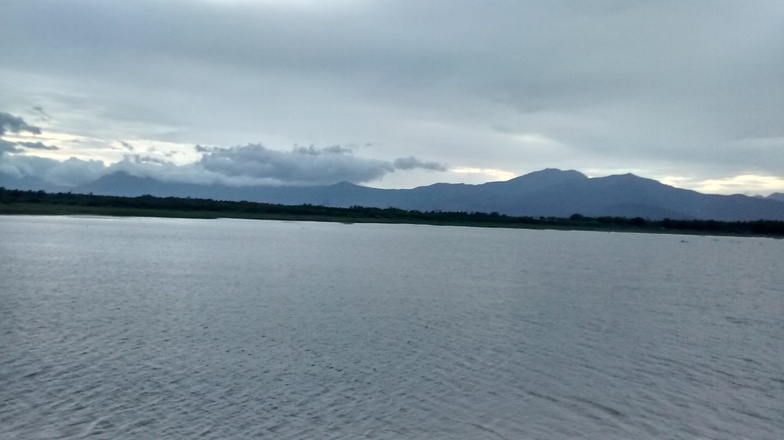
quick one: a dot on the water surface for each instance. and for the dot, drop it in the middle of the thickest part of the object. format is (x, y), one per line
(172, 328)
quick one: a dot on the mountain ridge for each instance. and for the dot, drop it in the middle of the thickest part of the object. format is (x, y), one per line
(546, 193)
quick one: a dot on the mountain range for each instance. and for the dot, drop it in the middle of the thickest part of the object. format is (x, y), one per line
(546, 193)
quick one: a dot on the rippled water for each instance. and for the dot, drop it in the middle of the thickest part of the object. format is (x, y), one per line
(163, 328)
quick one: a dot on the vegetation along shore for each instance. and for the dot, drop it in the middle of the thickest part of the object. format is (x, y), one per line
(43, 203)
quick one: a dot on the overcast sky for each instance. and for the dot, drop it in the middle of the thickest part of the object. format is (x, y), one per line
(394, 93)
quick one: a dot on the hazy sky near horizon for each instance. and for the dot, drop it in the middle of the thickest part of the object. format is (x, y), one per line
(394, 93)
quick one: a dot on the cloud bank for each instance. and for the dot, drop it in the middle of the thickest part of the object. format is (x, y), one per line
(299, 166)
(251, 164)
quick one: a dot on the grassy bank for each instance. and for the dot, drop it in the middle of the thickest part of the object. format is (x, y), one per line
(42, 203)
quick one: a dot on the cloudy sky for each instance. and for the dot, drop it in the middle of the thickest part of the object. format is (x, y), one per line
(394, 93)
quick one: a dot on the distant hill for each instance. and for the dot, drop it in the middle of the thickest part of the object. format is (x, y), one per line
(546, 193)
(777, 196)
(29, 183)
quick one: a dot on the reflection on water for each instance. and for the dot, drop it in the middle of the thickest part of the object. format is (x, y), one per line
(162, 328)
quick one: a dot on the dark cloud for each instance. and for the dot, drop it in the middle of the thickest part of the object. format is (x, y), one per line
(19, 147)
(411, 162)
(302, 165)
(14, 124)
(299, 166)
(36, 146)
(255, 164)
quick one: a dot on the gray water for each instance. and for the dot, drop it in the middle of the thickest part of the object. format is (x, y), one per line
(166, 328)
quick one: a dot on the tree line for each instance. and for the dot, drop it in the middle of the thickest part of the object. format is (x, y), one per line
(40, 202)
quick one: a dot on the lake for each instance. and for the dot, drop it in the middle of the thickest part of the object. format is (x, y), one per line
(123, 328)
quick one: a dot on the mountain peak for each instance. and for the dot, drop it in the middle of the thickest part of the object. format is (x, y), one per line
(549, 176)
(625, 176)
(557, 172)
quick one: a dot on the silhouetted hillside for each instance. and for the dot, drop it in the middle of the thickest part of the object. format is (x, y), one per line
(777, 196)
(546, 193)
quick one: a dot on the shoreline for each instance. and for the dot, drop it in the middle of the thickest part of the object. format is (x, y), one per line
(18, 202)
